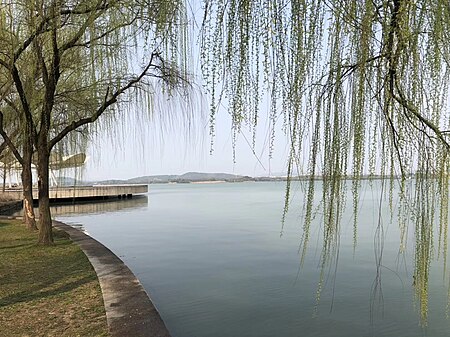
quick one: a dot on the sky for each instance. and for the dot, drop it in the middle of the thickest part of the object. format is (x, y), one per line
(140, 149)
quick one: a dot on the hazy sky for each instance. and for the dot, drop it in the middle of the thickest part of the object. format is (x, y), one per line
(147, 151)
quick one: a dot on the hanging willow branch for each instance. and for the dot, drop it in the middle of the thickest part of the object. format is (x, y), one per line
(362, 89)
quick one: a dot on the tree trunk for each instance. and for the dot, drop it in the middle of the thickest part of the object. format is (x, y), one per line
(45, 218)
(27, 185)
(4, 177)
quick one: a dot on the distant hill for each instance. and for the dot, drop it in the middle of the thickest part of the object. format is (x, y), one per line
(198, 176)
(151, 179)
(110, 182)
(183, 178)
(190, 177)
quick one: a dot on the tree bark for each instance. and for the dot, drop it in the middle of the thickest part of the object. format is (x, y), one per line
(4, 177)
(27, 186)
(45, 236)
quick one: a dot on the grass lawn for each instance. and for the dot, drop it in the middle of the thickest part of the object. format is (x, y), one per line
(47, 291)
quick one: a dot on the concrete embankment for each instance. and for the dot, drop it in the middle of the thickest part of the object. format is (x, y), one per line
(129, 310)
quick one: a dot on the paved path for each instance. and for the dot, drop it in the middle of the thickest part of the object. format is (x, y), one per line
(129, 310)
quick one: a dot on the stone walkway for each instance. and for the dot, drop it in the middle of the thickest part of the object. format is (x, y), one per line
(129, 310)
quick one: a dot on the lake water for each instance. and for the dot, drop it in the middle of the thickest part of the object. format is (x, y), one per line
(213, 261)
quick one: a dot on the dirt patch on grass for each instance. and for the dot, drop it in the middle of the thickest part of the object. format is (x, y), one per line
(47, 291)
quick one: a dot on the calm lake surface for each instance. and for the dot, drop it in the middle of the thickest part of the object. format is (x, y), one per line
(213, 261)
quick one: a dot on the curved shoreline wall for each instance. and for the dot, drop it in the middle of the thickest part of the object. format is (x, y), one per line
(129, 310)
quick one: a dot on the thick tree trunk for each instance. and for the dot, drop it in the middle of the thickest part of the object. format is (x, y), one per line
(27, 185)
(45, 219)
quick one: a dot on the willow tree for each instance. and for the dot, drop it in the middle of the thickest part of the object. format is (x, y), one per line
(20, 153)
(362, 89)
(11, 123)
(73, 61)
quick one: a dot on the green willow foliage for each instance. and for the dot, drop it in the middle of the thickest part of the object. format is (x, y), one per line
(66, 63)
(103, 45)
(361, 87)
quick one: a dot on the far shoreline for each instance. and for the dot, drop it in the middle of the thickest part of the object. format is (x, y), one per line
(209, 182)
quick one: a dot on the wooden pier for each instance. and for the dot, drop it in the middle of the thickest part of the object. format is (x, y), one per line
(94, 192)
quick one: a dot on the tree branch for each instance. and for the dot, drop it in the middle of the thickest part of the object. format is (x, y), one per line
(41, 27)
(99, 7)
(93, 15)
(101, 36)
(39, 30)
(41, 60)
(401, 99)
(9, 142)
(106, 104)
(23, 100)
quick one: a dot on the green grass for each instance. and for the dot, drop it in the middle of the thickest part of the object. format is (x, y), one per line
(47, 291)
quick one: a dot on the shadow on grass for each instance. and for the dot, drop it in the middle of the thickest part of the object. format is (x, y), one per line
(41, 272)
(23, 245)
(59, 234)
(36, 294)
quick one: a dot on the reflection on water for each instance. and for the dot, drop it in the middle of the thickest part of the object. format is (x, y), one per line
(96, 207)
(100, 206)
(214, 262)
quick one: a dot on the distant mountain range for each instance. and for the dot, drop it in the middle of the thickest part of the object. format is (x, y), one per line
(189, 177)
